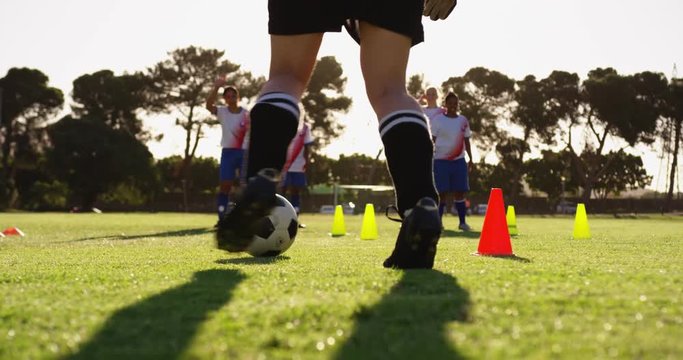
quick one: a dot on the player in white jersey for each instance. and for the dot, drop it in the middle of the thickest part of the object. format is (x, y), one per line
(432, 109)
(451, 133)
(298, 155)
(234, 121)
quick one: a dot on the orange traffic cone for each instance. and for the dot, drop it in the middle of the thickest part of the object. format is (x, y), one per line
(13, 231)
(495, 237)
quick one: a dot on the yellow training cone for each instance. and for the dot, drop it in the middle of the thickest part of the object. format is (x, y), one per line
(338, 227)
(368, 230)
(581, 230)
(511, 220)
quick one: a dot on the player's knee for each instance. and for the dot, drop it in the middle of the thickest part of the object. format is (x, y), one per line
(380, 95)
(289, 80)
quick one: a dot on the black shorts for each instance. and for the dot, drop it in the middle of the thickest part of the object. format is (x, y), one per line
(293, 17)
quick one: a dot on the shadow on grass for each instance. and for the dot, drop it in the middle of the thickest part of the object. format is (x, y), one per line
(163, 325)
(184, 232)
(461, 234)
(507, 257)
(251, 260)
(410, 322)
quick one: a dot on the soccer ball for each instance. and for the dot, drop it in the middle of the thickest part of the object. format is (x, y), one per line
(275, 232)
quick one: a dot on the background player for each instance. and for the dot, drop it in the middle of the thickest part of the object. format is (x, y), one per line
(234, 121)
(451, 133)
(298, 155)
(432, 109)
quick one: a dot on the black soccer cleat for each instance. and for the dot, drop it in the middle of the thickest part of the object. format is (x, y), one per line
(235, 230)
(417, 240)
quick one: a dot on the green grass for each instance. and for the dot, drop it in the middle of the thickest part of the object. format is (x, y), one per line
(153, 286)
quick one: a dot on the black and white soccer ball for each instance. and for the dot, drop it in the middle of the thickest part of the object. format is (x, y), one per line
(275, 232)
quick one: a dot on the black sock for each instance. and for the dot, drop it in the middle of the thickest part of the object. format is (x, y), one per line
(410, 157)
(274, 122)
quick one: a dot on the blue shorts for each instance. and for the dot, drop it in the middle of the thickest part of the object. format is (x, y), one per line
(231, 163)
(451, 176)
(295, 179)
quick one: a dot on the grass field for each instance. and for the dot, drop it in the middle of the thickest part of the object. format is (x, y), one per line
(97, 286)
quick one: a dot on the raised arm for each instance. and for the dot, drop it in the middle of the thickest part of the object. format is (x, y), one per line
(213, 94)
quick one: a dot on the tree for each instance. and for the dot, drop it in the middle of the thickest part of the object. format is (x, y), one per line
(115, 100)
(180, 85)
(202, 178)
(92, 158)
(485, 98)
(416, 86)
(354, 169)
(481, 178)
(551, 175)
(624, 107)
(507, 173)
(323, 100)
(624, 172)
(319, 170)
(27, 103)
(607, 104)
(671, 134)
(533, 115)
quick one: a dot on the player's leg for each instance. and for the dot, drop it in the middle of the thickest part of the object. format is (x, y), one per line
(441, 180)
(461, 186)
(295, 196)
(227, 168)
(274, 121)
(223, 198)
(296, 186)
(461, 208)
(403, 125)
(275, 116)
(408, 145)
(445, 197)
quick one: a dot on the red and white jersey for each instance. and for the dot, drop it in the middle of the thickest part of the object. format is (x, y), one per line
(296, 162)
(449, 136)
(234, 127)
(432, 112)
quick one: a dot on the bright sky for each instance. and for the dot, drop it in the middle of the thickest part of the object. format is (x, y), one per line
(68, 38)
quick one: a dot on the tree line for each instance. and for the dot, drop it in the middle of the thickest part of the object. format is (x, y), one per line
(98, 151)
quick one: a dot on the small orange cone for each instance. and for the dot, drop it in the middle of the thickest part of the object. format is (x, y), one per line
(13, 231)
(495, 237)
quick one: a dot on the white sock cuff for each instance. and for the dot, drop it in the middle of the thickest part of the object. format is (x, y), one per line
(281, 100)
(402, 117)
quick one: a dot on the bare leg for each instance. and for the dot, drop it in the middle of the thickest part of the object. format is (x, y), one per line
(384, 58)
(275, 117)
(407, 143)
(291, 63)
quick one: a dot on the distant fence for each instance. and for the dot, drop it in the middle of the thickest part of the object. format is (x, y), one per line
(313, 202)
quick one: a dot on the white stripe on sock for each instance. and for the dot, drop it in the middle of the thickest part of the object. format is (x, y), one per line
(280, 95)
(407, 119)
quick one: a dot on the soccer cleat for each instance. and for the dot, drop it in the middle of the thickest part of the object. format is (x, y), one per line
(464, 227)
(231, 205)
(416, 243)
(235, 230)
